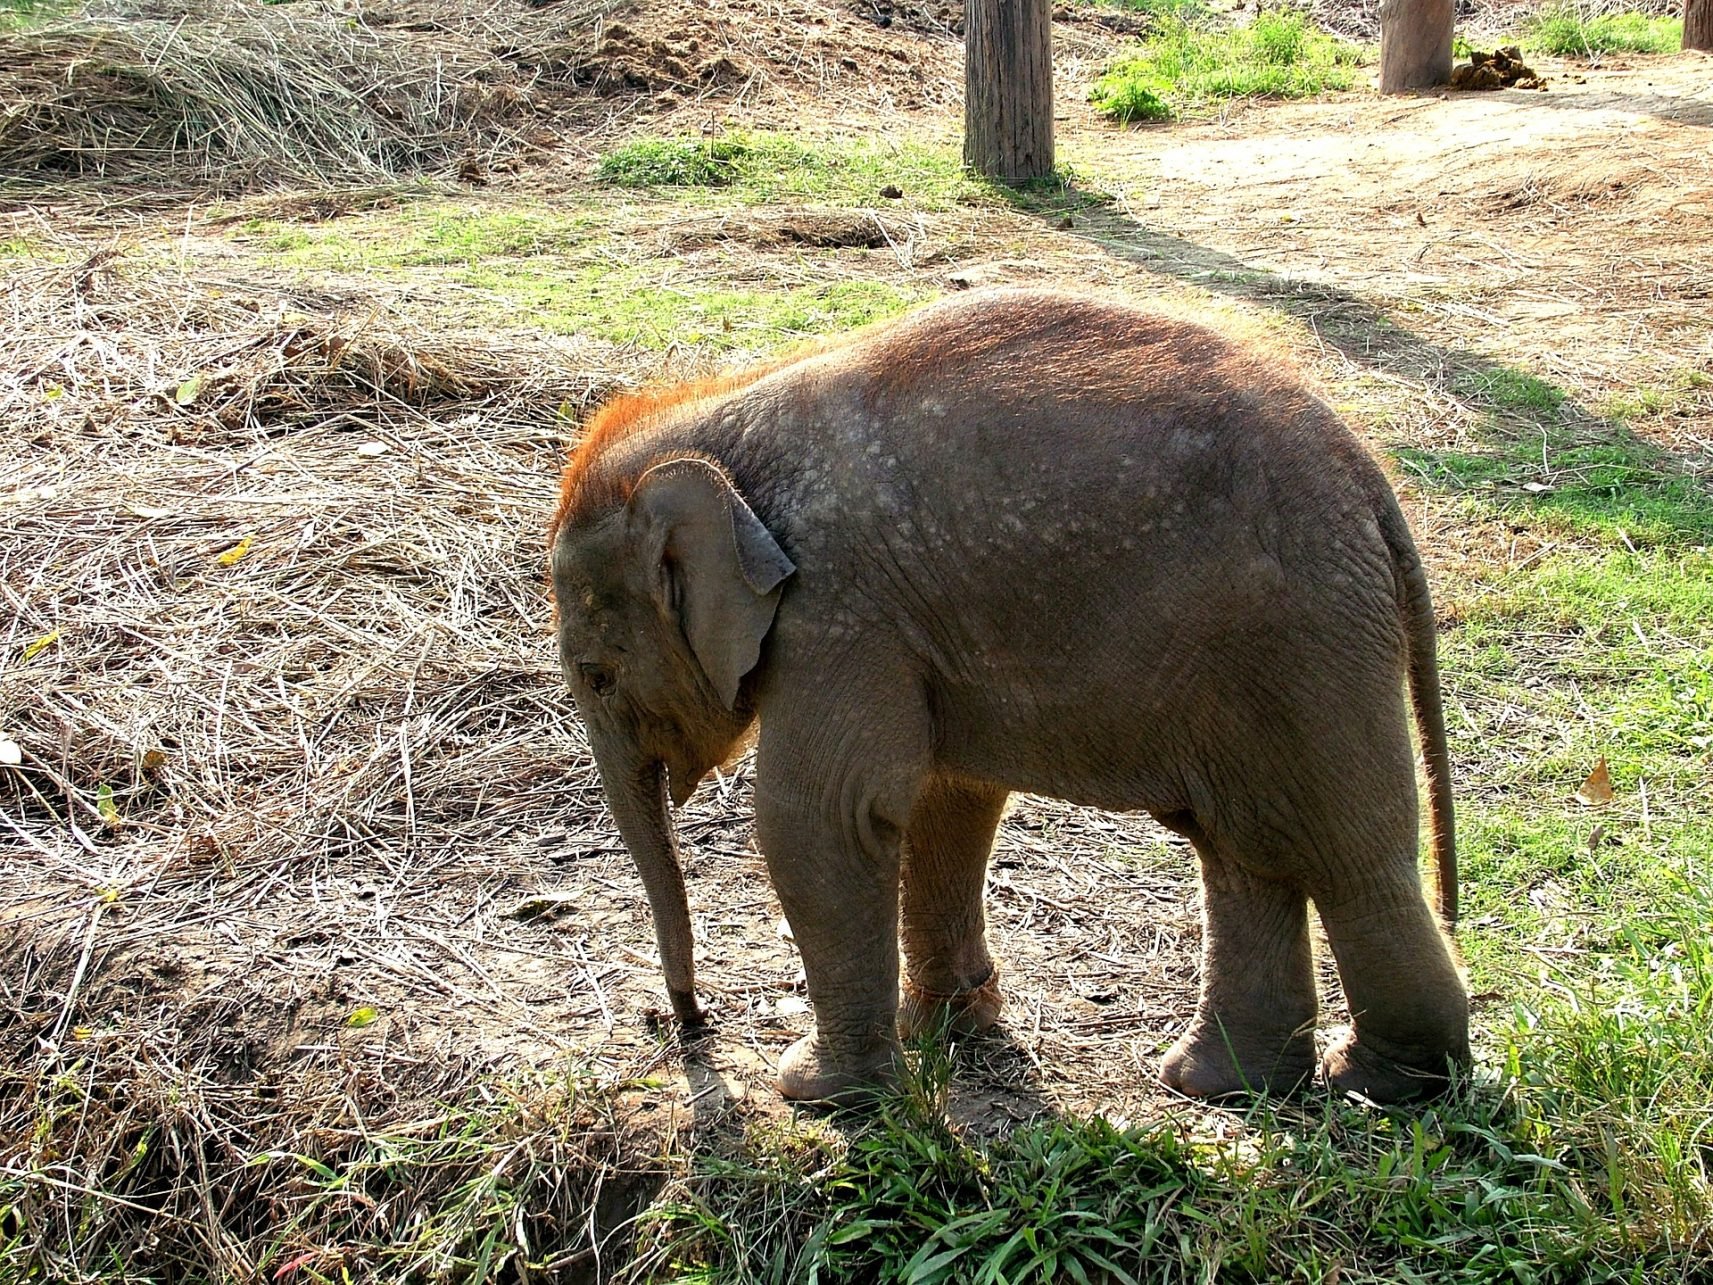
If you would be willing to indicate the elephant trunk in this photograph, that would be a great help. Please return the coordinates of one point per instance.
(636, 792)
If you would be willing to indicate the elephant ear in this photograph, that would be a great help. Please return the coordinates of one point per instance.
(719, 569)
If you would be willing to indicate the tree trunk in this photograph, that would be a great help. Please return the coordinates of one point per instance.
(1698, 24)
(1008, 88)
(1415, 44)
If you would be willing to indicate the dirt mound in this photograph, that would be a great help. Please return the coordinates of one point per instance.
(930, 17)
(727, 51)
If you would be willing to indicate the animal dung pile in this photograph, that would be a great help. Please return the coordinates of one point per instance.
(1502, 69)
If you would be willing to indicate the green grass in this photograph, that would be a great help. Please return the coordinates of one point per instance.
(1187, 63)
(583, 268)
(761, 167)
(559, 271)
(20, 13)
(1593, 475)
(1583, 30)
(1498, 1184)
(633, 305)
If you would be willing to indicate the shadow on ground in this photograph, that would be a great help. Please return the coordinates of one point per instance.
(1534, 447)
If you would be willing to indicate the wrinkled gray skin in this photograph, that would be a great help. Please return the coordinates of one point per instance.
(1024, 541)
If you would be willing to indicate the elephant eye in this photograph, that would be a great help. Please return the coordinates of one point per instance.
(598, 677)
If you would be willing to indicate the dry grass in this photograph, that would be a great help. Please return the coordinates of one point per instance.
(275, 660)
(353, 511)
(235, 95)
(148, 1141)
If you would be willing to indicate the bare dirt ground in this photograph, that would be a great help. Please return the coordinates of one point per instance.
(384, 848)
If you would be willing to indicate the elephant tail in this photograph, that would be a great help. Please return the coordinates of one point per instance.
(1420, 634)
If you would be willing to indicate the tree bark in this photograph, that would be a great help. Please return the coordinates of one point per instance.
(1698, 24)
(1008, 88)
(1415, 44)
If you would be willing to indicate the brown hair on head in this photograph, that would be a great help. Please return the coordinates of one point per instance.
(586, 488)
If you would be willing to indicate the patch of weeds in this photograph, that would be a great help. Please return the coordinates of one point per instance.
(1189, 62)
(678, 162)
(1584, 30)
(1470, 1189)
(763, 167)
(1614, 1071)
(1507, 389)
(1593, 475)
(632, 305)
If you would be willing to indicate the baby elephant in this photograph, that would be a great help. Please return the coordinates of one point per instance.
(1024, 541)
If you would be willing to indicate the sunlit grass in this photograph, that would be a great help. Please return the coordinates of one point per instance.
(1280, 54)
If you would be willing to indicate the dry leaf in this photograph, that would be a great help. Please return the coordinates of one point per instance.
(236, 553)
(41, 644)
(1597, 789)
(372, 449)
(11, 753)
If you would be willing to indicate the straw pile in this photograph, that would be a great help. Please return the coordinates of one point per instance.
(233, 94)
(274, 654)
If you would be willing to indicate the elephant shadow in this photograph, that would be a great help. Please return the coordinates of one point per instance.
(983, 1085)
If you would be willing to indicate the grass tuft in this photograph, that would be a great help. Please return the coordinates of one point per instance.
(1584, 30)
(1281, 54)
(679, 162)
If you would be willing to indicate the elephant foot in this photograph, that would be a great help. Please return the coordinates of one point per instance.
(1381, 1073)
(811, 1072)
(969, 1011)
(1209, 1062)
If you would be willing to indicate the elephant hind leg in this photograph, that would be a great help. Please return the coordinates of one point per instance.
(1253, 1031)
(1409, 1010)
(950, 977)
(1342, 825)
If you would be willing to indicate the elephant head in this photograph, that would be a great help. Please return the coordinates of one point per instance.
(665, 586)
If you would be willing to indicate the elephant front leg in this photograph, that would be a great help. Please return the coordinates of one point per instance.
(1254, 1026)
(950, 977)
(830, 829)
(841, 898)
